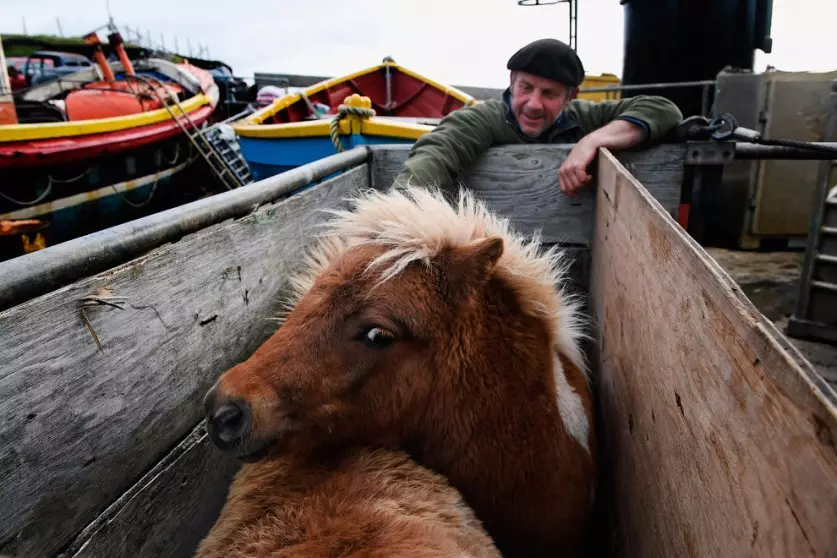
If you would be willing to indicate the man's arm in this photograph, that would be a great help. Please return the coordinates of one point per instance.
(455, 144)
(615, 125)
(619, 134)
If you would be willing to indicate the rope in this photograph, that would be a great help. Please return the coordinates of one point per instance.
(50, 182)
(342, 112)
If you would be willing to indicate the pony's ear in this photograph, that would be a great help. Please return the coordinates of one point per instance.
(483, 253)
(473, 262)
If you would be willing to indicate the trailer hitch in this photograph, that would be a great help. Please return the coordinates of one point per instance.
(693, 128)
(703, 135)
(725, 127)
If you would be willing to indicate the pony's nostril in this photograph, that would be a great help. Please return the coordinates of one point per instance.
(231, 422)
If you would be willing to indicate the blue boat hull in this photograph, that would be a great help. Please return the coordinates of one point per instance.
(269, 157)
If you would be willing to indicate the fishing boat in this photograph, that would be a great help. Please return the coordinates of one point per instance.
(90, 149)
(383, 104)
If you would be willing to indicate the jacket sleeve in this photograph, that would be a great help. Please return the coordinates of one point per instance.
(457, 142)
(657, 115)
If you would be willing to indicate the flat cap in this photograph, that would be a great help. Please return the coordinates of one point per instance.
(550, 59)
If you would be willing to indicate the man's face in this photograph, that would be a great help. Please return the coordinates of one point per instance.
(537, 102)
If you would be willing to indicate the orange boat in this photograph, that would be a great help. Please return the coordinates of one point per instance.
(90, 146)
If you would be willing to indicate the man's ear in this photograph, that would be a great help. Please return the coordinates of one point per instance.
(573, 93)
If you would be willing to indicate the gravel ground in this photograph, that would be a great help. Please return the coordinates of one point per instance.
(771, 281)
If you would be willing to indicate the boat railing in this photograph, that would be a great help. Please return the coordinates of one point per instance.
(45, 270)
(612, 90)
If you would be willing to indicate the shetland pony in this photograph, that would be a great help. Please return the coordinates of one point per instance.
(431, 327)
(355, 502)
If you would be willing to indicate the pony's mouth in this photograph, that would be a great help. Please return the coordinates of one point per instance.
(255, 450)
(264, 450)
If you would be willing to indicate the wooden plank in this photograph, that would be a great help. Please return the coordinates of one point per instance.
(169, 511)
(80, 425)
(722, 438)
(521, 182)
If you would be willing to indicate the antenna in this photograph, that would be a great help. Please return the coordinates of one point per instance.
(573, 15)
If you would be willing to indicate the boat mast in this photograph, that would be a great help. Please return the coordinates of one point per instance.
(93, 39)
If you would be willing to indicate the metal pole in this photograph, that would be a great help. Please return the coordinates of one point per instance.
(574, 25)
(704, 101)
(746, 151)
(37, 273)
(643, 86)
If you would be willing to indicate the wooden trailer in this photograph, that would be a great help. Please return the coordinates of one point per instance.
(719, 438)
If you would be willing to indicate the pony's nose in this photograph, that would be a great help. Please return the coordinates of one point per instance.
(228, 422)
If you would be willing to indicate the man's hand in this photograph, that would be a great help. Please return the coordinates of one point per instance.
(573, 173)
(619, 134)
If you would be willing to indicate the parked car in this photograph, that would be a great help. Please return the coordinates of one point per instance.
(46, 65)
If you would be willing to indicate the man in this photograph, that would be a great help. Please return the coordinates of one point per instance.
(540, 106)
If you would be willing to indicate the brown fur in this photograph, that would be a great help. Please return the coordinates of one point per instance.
(359, 503)
(466, 387)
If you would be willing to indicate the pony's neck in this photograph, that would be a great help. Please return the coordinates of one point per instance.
(494, 428)
(502, 397)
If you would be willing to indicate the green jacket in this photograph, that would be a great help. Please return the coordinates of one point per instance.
(462, 136)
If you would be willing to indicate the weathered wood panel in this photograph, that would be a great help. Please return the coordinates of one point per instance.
(81, 425)
(521, 182)
(723, 440)
(169, 511)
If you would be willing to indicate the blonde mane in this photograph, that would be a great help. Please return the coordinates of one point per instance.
(416, 223)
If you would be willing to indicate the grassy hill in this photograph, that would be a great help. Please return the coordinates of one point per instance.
(23, 45)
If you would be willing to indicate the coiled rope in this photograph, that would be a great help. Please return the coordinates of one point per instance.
(342, 112)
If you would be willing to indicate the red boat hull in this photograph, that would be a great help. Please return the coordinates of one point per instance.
(408, 96)
(79, 148)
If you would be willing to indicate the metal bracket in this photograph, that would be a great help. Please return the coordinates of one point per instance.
(709, 153)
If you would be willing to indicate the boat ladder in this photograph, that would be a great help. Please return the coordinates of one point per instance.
(226, 175)
(228, 148)
(815, 316)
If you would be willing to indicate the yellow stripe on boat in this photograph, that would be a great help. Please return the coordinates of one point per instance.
(57, 130)
(321, 128)
(390, 129)
(312, 128)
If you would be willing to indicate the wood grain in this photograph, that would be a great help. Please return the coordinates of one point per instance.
(81, 425)
(723, 440)
(521, 182)
(169, 511)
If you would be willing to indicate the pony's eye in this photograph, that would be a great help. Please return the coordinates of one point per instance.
(377, 337)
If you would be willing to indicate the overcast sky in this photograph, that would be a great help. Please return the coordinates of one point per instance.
(439, 38)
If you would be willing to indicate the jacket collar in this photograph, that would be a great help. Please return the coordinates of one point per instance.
(562, 124)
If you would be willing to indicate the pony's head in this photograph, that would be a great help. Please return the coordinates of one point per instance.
(409, 313)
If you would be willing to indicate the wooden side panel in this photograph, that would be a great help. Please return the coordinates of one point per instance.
(723, 439)
(81, 425)
(521, 182)
(169, 511)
